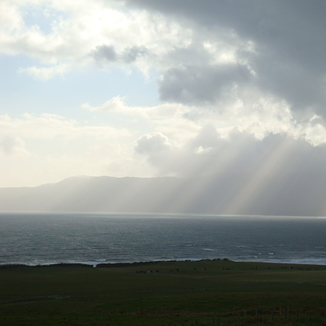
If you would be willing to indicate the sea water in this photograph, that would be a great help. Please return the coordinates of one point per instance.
(41, 239)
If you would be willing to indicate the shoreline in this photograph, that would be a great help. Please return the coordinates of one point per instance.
(144, 263)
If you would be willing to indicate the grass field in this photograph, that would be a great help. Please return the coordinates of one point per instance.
(211, 292)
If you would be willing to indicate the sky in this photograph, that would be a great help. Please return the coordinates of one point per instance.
(151, 88)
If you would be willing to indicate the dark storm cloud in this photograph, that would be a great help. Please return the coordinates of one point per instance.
(200, 84)
(289, 38)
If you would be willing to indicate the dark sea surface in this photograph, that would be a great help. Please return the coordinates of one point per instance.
(41, 239)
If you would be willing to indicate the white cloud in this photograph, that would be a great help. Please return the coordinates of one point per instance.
(47, 148)
(247, 110)
(158, 149)
(152, 143)
(115, 104)
(50, 126)
(91, 31)
(10, 145)
(46, 73)
(10, 18)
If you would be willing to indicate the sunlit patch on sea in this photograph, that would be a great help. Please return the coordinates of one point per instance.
(40, 239)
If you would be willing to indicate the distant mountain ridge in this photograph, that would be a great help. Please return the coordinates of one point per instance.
(233, 194)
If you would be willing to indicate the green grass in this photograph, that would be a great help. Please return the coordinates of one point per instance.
(217, 292)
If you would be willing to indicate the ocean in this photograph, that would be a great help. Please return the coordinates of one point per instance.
(43, 239)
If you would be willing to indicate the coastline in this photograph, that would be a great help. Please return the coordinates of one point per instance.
(154, 262)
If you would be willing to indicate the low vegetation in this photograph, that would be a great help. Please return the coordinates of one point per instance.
(210, 292)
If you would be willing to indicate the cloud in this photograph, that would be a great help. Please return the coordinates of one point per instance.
(131, 54)
(201, 84)
(10, 18)
(91, 31)
(210, 153)
(46, 73)
(52, 126)
(201, 50)
(287, 38)
(12, 145)
(152, 143)
(107, 54)
(157, 148)
(42, 148)
(235, 78)
(246, 110)
(114, 104)
(163, 113)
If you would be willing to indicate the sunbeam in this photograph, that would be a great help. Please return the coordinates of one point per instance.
(258, 180)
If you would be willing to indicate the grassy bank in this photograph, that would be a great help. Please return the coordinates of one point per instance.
(217, 292)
